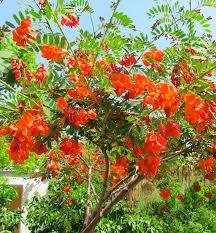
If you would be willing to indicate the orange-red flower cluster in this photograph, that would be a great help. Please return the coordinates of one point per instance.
(29, 126)
(40, 74)
(180, 197)
(149, 165)
(163, 96)
(79, 116)
(131, 86)
(206, 164)
(121, 83)
(70, 20)
(197, 188)
(208, 195)
(154, 145)
(121, 166)
(71, 147)
(80, 89)
(171, 129)
(200, 114)
(52, 52)
(66, 189)
(53, 165)
(19, 68)
(181, 72)
(83, 64)
(128, 60)
(152, 56)
(165, 194)
(61, 103)
(21, 35)
(210, 176)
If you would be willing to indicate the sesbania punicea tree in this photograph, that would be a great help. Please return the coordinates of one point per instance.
(110, 110)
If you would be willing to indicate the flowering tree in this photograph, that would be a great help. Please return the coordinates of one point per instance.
(109, 110)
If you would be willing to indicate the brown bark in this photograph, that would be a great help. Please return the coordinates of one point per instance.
(105, 210)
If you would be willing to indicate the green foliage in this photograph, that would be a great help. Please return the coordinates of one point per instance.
(4, 158)
(175, 21)
(9, 50)
(210, 3)
(119, 116)
(8, 219)
(195, 215)
(52, 214)
(121, 19)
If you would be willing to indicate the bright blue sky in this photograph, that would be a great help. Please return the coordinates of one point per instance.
(136, 9)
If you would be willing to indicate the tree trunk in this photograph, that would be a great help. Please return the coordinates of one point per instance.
(106, 209)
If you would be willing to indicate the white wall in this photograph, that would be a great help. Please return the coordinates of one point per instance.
(30, 187)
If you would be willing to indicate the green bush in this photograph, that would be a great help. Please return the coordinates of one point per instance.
(196, 215)
(8, 219)
(57, 211)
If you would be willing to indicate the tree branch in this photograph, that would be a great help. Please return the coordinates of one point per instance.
(110, 204)
(88, 196)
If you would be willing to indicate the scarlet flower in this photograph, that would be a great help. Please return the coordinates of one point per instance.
(40, 74)
(164, 96)
(52, 52)
(21, 35)
(81, 63)
(19, 148)
(16, 69)
(198, 113)
(165, 194)
(4, 131)
(121, 166)
(206, 164)
(139, 83)
(128, 142)
(79, 117)
(149, 166)
(39, 127)
(30, 125)
(145, 55)
(208, 195)
(78, 178)
(121, 83)
(71, 147)
(128, 60)
(175, 81)
(66, 189)
(83, 168)
(34, 175)
(158, 55)
(39, 148)
(53, 165)
(210, 176)
(155, 143)
(138, 151)
(152, 56)
(42, 176)
(70, 20)
(180, 197)
(61, 103)
(172, 129)
(197, 188)
(158, 67)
